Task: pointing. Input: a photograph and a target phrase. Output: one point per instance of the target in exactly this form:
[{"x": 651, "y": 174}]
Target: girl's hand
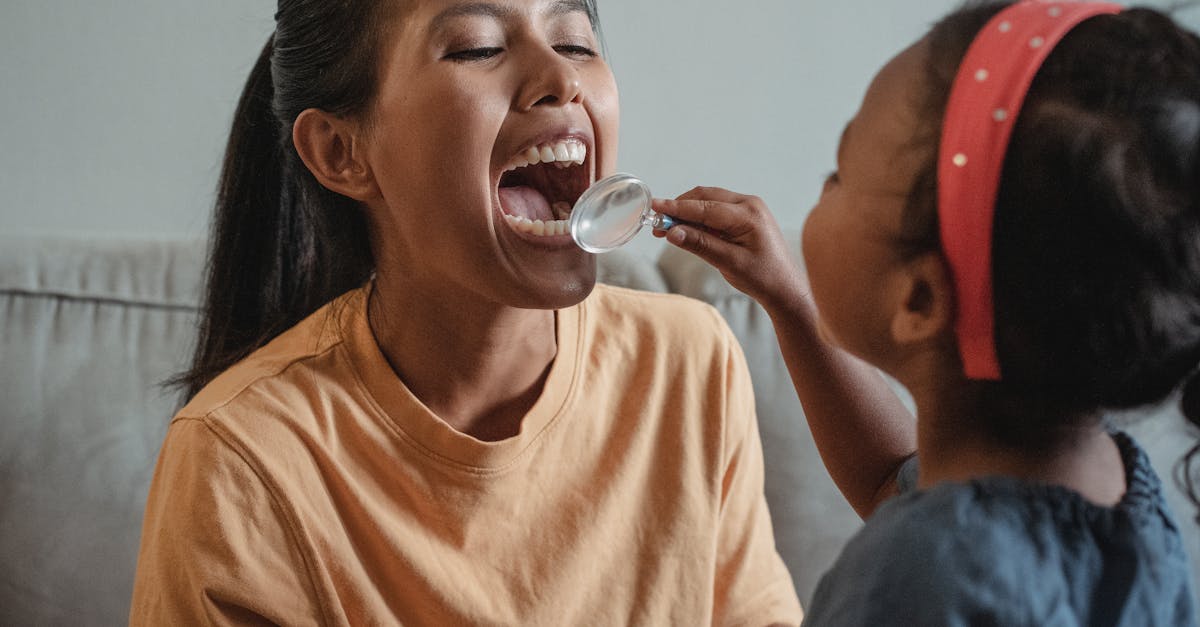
[
  {"x": 863, "y": 431},
  {"x": 737, "y": 235}
]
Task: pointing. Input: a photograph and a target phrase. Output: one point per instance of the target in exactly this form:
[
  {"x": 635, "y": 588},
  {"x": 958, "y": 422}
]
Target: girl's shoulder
[
  {"x": 999, "y": 502},
  {"x": 1018, "y": 552}
]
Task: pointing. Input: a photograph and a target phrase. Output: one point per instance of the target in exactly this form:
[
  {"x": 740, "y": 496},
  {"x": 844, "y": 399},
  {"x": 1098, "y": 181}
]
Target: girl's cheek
[{"x": 808, "y": 238}]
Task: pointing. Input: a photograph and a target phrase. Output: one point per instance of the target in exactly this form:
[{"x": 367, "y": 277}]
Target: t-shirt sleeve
[
  {"x": 216, "y": 548},
  {"x": 753, "y": 586}
]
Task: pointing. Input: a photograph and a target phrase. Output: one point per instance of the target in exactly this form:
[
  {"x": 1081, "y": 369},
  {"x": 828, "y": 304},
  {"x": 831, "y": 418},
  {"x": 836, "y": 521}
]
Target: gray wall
[{"x": 113, "y": 114}]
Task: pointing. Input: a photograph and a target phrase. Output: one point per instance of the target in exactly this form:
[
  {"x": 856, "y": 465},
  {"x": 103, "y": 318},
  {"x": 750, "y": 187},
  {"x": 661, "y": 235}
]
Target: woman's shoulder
[
  {"x": 281, "y": 368},
  {"x": 632, "y": 326}
]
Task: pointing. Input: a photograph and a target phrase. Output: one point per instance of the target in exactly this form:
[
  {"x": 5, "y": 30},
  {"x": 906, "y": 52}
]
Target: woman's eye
[
  {"x": 474, "y": 54},
  {"x": 573, "y": 50},
  {"x": 831, "y": 179}
]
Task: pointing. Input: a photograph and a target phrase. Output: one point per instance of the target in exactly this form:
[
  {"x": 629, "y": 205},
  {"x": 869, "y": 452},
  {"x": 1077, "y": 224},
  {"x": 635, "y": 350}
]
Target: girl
[
  {"x": 410, "y": 402},
  {"x": 1013, "y": 232}
]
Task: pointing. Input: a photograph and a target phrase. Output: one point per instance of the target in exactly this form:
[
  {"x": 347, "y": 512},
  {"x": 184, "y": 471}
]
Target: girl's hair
[
  {"x": 1096, "y": 252},
  {"x": 281, "y": 244}
]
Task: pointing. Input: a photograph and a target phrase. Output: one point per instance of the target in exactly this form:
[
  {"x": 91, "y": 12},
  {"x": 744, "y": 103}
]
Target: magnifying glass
[{"x": 612, "y": 211}]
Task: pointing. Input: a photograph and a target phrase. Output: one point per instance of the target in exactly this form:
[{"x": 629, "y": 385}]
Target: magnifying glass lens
[{"x": 610, "y": 213}]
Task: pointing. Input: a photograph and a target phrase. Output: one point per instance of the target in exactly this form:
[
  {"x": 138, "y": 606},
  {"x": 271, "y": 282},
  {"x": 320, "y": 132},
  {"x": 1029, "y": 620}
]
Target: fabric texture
[
  {"x": 306, "y": 485},
  {"x": 1001, "y": 551}
]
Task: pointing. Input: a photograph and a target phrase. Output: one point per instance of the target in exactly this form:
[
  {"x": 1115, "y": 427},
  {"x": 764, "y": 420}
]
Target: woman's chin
[{"x": 558, "y": 290}]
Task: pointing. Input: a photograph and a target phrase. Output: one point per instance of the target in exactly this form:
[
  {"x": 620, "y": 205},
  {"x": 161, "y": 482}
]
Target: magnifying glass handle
[{"x": 662, "y": 222}]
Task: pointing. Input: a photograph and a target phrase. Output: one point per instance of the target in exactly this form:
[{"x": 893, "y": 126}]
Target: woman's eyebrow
[
  {"x": 498, "y": 11},
  {"x": 486, "y": 9},
  {"x": 561, "y": 7}
]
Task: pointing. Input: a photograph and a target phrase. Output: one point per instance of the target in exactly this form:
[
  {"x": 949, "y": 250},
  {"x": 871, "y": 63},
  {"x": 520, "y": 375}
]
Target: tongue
[{"x": 525, "y": 202}]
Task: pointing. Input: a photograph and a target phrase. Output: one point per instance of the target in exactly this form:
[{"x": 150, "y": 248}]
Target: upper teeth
[{"x": 563, "y": 153}]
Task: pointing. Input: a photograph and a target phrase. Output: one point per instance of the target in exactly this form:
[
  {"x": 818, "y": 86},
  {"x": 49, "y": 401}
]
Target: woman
[{"x": 470, "y": 431}]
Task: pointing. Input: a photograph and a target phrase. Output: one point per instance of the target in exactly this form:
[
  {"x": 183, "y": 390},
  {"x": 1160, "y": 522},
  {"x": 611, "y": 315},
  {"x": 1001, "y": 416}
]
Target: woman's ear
[
  {"x": 329, "y": 146},
  {"x": 926, "y": 307}
]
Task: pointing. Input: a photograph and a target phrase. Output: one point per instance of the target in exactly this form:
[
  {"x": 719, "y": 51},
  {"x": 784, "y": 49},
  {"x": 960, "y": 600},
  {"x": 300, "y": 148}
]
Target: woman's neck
[
  {"x": 953, "y": 445},
  {"x": 478, "y": 366}
]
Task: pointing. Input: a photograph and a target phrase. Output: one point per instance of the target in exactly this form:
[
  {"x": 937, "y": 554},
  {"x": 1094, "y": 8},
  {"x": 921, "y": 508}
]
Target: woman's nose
[{"x": 552, "y": 80}]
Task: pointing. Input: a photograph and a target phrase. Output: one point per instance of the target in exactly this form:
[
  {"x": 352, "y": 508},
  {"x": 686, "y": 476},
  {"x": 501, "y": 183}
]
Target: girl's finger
[
  {"x": 719, "y": 252},
  {"x": 716, "y": 215},
  {"x": 719, "y": 194}
]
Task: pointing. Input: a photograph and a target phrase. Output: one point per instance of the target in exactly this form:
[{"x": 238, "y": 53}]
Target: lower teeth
[{"x": 538, "y": 227}]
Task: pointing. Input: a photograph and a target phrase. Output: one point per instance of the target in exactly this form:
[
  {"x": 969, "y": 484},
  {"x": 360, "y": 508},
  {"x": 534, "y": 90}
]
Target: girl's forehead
[{"x": 883, "y": 142}]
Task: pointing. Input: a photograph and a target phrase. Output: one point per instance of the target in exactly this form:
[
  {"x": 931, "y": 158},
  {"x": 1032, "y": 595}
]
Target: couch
[{"x": 90, "y": 327}]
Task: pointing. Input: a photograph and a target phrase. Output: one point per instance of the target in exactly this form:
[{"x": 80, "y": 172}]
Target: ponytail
[{"x": 281, "y": 245}]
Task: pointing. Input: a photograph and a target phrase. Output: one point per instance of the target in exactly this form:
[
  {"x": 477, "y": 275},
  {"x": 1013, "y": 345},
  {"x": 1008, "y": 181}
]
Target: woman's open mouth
[{"x": 539, "y": 188}]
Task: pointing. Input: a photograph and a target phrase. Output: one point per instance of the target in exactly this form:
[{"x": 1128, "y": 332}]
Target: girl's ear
[
  {"x": 330, "y": 148},
  {"x": 926, "y": 307}
]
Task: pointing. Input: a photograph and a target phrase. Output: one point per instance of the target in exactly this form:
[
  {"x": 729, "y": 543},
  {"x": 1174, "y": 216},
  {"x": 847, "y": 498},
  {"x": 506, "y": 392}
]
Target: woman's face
[
  {"x": 491, "y": 118},
  {"x": 850, "y": 237}
]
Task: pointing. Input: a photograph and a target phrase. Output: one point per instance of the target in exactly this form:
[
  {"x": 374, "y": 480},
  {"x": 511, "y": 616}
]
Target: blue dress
[{"x": 1002, "y": 551}]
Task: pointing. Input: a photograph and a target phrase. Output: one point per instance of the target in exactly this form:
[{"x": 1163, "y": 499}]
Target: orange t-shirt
[{"x": 307, "y": 485}]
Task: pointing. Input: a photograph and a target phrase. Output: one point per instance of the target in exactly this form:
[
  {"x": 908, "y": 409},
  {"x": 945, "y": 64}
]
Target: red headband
[{"x": 984, "y": 102}]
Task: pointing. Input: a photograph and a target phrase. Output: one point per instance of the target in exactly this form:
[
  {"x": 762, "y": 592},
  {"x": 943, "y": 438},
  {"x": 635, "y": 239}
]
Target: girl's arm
[{"x": 862, "y": 430}]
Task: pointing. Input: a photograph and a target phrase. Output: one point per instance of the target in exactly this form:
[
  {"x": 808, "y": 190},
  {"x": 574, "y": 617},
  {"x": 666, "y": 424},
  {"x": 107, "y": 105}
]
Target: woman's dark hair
[
  {"x": 1096, "y": 251},
  {"x": 281, "y": 244}
]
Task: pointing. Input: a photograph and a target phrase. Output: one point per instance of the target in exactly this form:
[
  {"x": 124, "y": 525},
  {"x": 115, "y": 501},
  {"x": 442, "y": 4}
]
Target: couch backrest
[{"x": 89, "y": 328}]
